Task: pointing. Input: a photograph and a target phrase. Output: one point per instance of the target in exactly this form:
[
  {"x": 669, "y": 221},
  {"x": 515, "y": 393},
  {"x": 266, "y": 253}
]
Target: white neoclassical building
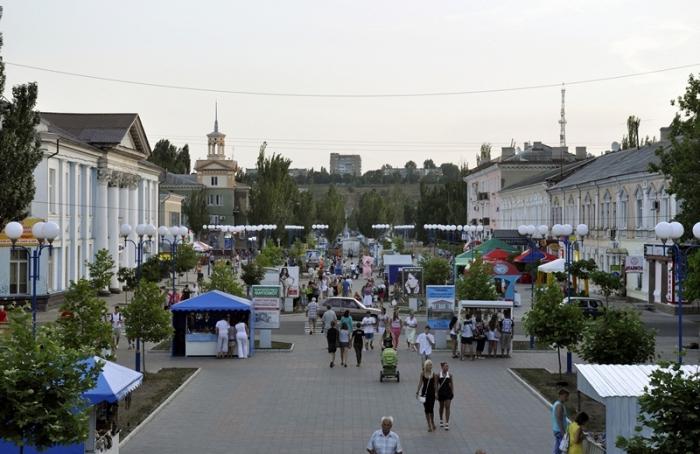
[{"x": 93, "y": 177}]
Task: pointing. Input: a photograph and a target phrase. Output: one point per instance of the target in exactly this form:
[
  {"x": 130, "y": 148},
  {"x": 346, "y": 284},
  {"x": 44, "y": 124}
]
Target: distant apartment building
[{"x": 346, "y": 164}]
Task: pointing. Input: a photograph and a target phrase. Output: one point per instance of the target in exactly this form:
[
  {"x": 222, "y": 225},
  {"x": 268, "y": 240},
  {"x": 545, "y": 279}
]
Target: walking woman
[
  {"x": 411, "y": 324},
  {"x": 445, "y": 393},
  {"x": 344, "y": 338},
  {"x": 454, "y": 331},
  {"x": 395, "y": 328},
  {"x": 426, "y": 393},
  {"x": 357, "y": 339},
  {"x": 347, "y": 319}
]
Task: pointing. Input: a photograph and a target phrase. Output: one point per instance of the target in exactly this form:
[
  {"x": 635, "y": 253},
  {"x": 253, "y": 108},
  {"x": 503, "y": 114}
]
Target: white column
[
  {"x": 154, "y": 203},
  {"x": 100, "y": 218},
  {"x": 133, "y": 218},
  {"x": 124, "y": 260},
  {"x": 113, "y": 228}
]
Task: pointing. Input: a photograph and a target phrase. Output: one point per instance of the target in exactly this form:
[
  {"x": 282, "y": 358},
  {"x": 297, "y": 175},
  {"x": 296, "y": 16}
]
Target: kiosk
[
  {"x": 194, "y": 320},
  {"x": 486, "y": 307}
]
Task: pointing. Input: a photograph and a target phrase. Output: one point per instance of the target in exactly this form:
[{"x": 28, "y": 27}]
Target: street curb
[
  {"x": 536, "y": 393},
  {"x": 159, "y": 408}
]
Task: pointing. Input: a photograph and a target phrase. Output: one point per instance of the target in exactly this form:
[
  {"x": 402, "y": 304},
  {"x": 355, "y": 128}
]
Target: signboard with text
[
  {"x": 266, "y": 301},
  {"x": 440, "y": 302}
]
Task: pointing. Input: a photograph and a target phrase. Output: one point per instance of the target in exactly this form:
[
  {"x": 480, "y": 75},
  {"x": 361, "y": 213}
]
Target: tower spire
[
  {"x": 562, "y": 120},
  {"x": 216, "y": 116}
]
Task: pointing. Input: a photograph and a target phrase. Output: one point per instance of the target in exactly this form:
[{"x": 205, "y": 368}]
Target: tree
[
  {"x": 680, "y": 162},
  {"x": 41, "y": 387},
  {"x": 669, "y": 407},
  {"x": 371, "y": 210},
  {"x": 436, "y": 270},
  {"x": 144, "y": 317},
  {"x": 331, "y": 211},
  {"x": 171, "y": 158},
  {"x": 692, "y": 280},
  {"x": 101, "y": 270},
  {"x": 616, "y": 337},
  {"x": 155, "y": 269},
  {"x": 19, "y": 149},
  {"x": 223, "y": 279},
  {"x": 450, "y": 172},
  {"x": 484, "y": 153},
  {"x": 253, "y": 273},
  {"x": 553, "y": 322},
  {"x": 274, "y": 194},
  {"x": 581, "y": 270},
  {"x": 429, "y": 164},
  {"x": 194, "y": 211},
  {"x": 410, "y": 165},
  {"x": 270, "y": 256},
  {"x": 477, "y": 282},
  {"x": 632, "y": 132},
  {"x": 608, "y": 282},
  {"x": 305, "y": 213},
  {"x": 127, "y": 277},
  {"x": 185, "y": 258},
  {"x": 84, "y": 324}
]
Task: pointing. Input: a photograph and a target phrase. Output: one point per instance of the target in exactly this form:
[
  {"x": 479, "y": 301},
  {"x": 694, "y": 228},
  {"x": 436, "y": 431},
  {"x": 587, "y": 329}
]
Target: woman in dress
[
  {"x": 395, "y": 328},
  {"x": 576, "y": 436},
  {"x": 427, "y": 390},
  {"x": 445, "y": 393},
  {"x": 411, "y": 323},
  {"x": 367, "y": 295}
]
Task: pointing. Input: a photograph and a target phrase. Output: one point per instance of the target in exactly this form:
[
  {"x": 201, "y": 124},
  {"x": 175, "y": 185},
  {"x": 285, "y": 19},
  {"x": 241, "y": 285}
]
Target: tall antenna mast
[{"x": 562, "y": 120}]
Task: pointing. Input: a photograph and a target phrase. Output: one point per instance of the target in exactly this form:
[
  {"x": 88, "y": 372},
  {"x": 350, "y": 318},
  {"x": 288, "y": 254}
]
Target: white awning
[{"x": 555, "y": 266}]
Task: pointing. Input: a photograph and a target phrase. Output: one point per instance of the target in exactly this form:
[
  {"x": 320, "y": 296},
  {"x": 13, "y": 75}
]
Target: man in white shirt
[
  {"x": 426, "y": 343},
  {"x": 117, "y": 320},
  {"x": 328, "y": 317},
  {"x": 368, "y": 326},
  {"x": 385, "y": 441},
  {"x": 222, "y": 327}
]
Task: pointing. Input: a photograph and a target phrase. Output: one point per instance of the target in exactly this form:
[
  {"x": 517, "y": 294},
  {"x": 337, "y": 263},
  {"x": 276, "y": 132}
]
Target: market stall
[
  {"x": 114, "y": 384},
  {"x": 194, "y": 320}
]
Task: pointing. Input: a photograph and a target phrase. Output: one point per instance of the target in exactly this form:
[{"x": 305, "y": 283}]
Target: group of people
[
  {"x": 172, "y": 296},
  {"x": 229, "y": 336},
  {"x": 476, "y": 331}
]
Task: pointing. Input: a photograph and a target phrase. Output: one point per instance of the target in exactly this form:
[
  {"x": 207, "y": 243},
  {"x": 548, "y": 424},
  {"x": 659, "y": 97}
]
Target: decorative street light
[
  {"x": 173, "y": 235},
  {"x": 674, "y": 231},
  {"x": 45, "y": 233},
  {"x": 142, "y": 230},
  {"x": 532, "y": 233}
]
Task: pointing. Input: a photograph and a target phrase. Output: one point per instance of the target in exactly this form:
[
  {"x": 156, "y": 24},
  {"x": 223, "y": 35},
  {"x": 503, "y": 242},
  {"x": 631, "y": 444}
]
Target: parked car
[
  {"x": 591, "y": 307},
  {"x": 340, "y": 304}
]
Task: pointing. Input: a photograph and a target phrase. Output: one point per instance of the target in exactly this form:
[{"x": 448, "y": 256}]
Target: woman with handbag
[
  {"x": 445, "y": 393},
  {"x": 426, "y": 393}
]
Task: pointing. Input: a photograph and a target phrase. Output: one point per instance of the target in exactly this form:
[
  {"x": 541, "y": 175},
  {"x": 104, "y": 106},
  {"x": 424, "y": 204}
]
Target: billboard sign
[
  {"x": 412, "y": 280},
  {"x": 266, "y": 301},
  {"x": 440, "y": 302}
]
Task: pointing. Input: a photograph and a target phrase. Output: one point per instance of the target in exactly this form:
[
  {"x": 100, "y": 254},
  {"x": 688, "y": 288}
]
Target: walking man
[
  {"x": 332, "y": 336},
  {"x": 559, "y": 421},
  {"x": 507, "y": 325},
  {"x": 426, "y": 343},
  {"x": 312, "y": 314},
  {"x": 384, "y": 441},
  {"x": 368, "y": 323},
  {"x": 327, "y": 318},
  {"x": 117, "y": 320},
  {"x": 357, "y": 338}
]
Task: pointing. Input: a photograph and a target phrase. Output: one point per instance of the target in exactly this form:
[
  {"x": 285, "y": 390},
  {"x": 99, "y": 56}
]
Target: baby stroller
[{"x": 390, "y": 362}]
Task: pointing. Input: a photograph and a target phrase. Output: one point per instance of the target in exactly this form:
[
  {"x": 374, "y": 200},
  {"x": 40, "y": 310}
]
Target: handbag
[
  {"x": 421, "y": 399},
  {"x": 564, "y": 444}
]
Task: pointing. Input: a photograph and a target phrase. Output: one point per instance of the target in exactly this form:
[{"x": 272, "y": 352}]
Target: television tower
[{"x": 562, "y": 120}]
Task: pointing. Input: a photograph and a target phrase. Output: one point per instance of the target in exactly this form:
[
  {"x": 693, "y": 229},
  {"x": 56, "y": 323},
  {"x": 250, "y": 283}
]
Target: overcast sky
[{"x": 359, "y": 47}]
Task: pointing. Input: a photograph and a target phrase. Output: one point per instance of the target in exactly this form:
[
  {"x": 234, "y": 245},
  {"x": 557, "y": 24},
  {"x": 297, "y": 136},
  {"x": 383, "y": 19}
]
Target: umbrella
[
  {"x": 533, "y": 256},
  {"x": 198, "y": 246},
  {"x": 496, "y": 254},
  {"x": 555, "y": 266}
]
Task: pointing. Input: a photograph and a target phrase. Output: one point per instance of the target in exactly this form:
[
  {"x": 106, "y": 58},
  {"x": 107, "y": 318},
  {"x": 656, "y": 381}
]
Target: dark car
[
  {"x": 591, "y": 307},
  {"x": 340, "y": 304}
]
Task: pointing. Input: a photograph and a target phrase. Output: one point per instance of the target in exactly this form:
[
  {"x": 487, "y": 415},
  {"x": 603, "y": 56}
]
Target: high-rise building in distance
[{"x": 346, "y": 164}]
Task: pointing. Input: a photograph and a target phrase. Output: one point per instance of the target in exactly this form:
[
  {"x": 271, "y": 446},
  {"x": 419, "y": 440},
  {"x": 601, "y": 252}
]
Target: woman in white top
[
  {"x": 411, "y": 323},
  {"x": 242, "y": 339}
]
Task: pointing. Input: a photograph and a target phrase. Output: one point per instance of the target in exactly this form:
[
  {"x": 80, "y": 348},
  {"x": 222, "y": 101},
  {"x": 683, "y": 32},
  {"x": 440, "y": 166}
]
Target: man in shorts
[
  {"x": 507, "y": 326},
  {"x": 312, "y": 314},
  {"x": 368, "y": 326},
  {"x": 117, "y": 321}
]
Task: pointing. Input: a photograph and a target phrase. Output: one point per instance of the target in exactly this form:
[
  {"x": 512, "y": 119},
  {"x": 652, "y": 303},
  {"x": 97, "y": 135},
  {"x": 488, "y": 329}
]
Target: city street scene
[{"x": 348, "y": 227}]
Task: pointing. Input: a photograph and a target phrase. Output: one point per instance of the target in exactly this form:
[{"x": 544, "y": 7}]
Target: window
[
  {"x": 19, "y": 272},
  {"x": 623, "y": 210},
  {"x": 80, "y": 261},
  {"x": 640, "y": 208},
  {"x": 174, "y": 218},
  {"x": 605, "y": 211},
  {"x": 214, "y": 181},
  {"x": 52, "y": 191}
]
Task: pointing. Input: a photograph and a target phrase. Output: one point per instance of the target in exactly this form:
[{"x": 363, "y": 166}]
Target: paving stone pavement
[{"x": 295, "y": 403}]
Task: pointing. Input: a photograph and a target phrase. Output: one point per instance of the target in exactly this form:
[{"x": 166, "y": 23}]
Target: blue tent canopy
[
  {"x": 114, "y": 382},
  {"x": 213, "y": 301}
]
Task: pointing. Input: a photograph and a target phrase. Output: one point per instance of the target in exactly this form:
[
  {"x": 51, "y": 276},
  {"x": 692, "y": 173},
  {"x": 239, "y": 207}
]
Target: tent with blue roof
[
  {"x": 114, "y": 382},
  {"x": 194, "y": 318}
]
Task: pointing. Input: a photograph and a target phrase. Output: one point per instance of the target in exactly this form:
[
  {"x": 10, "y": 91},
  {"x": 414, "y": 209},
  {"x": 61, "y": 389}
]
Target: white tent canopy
[
  {"x": 618, "y": 387},
  {"x": 555, "y": 266}
]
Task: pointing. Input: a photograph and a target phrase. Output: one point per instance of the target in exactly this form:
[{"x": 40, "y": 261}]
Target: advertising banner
[
  {"x": 265, "y": 319},
  {"x": 634, "y": 264},
  {"x": 440, "y": 302},
  {"x": 289, "y": 280},
  {"x": 412, "y": 280},
  {"x": 266, "y": 301}
]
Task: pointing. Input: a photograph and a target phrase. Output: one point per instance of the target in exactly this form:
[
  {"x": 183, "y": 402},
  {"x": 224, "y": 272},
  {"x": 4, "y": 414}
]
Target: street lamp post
[
  {"x": 532, "y": 233},
  {"x": 141, "y": 231},
  {"x": 564, "y": 233},
  {"x": 674, "y": 231},
  {"x": 45, "y": 233},
  {"x": 172, "y": 236}
]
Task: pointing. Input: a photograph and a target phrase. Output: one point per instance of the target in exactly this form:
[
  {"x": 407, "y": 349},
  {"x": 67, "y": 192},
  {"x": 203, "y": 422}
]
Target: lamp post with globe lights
[
  {"x": 673, "y": 231},
  {"x": 142, "y": 230},
  {"x": 173, "y": 235},
  {"x": 532, "y": 233},
  {"x": 45, "y": 233}
]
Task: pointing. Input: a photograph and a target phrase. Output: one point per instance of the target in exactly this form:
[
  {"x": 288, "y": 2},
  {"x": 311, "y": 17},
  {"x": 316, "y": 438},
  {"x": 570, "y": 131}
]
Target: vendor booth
[
  {"x": 505, "y": 276},
  {"x": 464, "y": 259},
  {"x": 194, "y": 320},
  {"x": 618, "y": 387},
  {"x": 485, "y": 308},
  {"x": 114, "y": 384}
]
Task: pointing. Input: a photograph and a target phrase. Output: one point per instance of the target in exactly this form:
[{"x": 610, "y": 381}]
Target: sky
[{"x": 359, "y": 47}]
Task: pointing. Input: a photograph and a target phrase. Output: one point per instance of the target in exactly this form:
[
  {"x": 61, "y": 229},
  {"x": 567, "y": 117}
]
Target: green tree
[
  {"x": 608, "y": 282},
  {"x": 101, "y": 270},
  {"x": 194, "y": 211},
  {"x": 669, "y": 407},
  {"x": 631, "y": 140},
  {"x": 85, "y": 325},
  {"x": 19, "y": 148},
  {"x": 185, "y": 258},
  {"x": 270, "y": 256},
  {"x": 144, "y": 317},
  {"x": 41, "y": 387},
  {"x": 680, "y": 163},
  {"x": 552, "y": 322},
  {"x": 274, "y": 194},
  {"x": 692, "y": 280},
  {"x": 305, "y": 210},
  {"x": 252, "y": 274},
  {"x": 371, "y": 210},
  {"x": 155, "y": 269},
  {"x": 581, "y": 270},
  {"x": 436, "y": 270},
  {"x": 223, "y": 279},
  {"x": 171, "y": 158},
  {"x": 410, "y": 165},
  {"x": 616, "y": 337},
  {"x": 477, "y": 282},
  {"x": 429, "y": 164},
  {"x": 331, "y": 211},
  {"x": 127, "y": 277}
]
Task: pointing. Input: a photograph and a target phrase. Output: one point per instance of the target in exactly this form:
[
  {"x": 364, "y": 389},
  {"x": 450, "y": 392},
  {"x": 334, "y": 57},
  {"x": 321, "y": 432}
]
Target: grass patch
[
  {"x": 525, "y": 345},
  {"x": 164, "y": 345},
  {"x": 546, "y": 384},
  {"x": 276, "y": 345},
  {"x": 152, "y": 392}
]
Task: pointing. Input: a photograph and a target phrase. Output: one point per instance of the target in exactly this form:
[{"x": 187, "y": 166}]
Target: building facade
[
  {"x": 346, "y": 164},
  {"x": 93, "y": 178}
]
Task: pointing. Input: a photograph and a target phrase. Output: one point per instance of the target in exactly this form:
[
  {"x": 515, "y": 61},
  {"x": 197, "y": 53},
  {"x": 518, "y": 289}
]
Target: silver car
[{"x": 340, "y": 304}]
